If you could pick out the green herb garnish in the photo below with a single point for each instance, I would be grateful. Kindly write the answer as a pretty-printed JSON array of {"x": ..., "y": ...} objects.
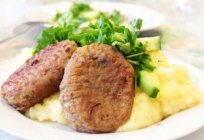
[{"x": 107, "y": 30}]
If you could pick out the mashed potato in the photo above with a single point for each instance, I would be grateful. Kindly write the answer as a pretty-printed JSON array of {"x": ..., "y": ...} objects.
[
  {"x": 176, "y": 91},
  {"x": 49, "y": 110},
  {"x": 176, "y": 94},
  {"x": 146, "y": 111}
]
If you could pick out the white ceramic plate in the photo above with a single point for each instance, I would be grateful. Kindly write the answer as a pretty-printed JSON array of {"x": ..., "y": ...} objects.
[
  {"x": 173, "y": 127},
  {"x": 151, "y": 18}
]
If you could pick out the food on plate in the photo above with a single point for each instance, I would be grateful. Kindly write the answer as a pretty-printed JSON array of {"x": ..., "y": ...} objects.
[
  {"x": 97, "y": 89},
  {"x": 147, "y": 111},
  {"x": 39, "y": 77},
  {"x": 114, "y": 80}
]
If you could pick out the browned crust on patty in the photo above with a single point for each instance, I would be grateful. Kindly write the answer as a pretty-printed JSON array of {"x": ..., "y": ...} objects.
[
  {"x": 39, "y": 77},
  {"x": 97, "y": 89}
]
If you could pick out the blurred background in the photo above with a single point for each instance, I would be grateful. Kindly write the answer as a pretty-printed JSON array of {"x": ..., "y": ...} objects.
[
  {"x": 182, "y": 32},
  {"x": 177, "y": 12}
]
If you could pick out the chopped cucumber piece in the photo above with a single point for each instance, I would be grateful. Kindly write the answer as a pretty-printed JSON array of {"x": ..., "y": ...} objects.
[
  {"x": 149, "y": 83},
  {"x": 151, "y": 43}
]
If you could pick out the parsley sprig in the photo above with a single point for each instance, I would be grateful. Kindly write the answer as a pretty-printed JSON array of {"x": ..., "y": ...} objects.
[{"x": 107, "y": 30}]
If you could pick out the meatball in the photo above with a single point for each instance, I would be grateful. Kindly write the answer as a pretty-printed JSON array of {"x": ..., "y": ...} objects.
[
  {"x": 39, "y": 77},
  {"x": 97, "y": 89}
]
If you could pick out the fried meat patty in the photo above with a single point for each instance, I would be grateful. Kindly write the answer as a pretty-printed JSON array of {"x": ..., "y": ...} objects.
[
  {"x": 39, "y": 77},
  {"x": 97, "y": 89}
]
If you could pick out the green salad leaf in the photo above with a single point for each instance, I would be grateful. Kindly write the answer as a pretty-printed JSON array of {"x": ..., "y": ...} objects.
[
  {"x": 106, "y": 29},
  {"x": 80, "y": 13},
  {"x": 76, "y": 9}
]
